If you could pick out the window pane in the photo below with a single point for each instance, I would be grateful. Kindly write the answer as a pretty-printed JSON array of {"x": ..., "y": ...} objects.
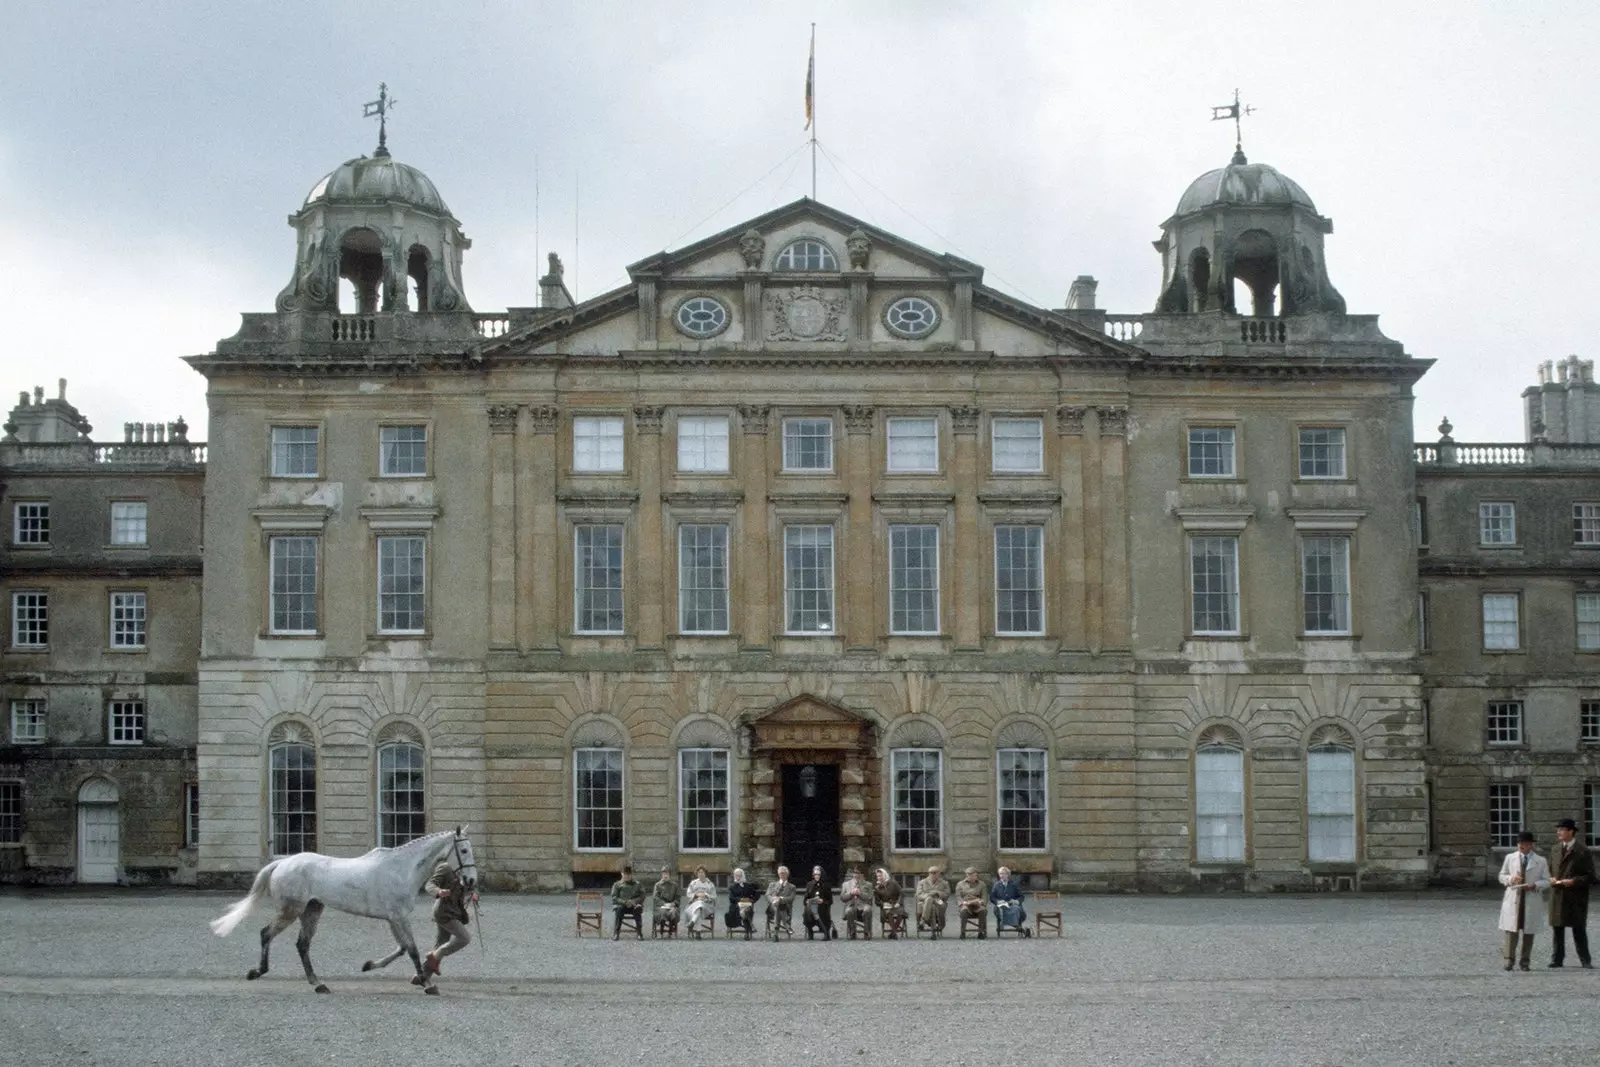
[
  {"x": 1503, "y": 724},
  {"x": 1505, "y": 814},
  {"x": 1588, "y": 612},
  {"x": 27, "y": 722},
  {"x": 10, "y": 812},
  {"x": 1500, "y": 621},
  {"x": 807, "y": 255},
  {"x": 403, "y": 450},
  {"x": 1322, "y": 453},
  {"x": 1331, "y": 804},
  {"x": 292, "y": 804},
  {"x": 808, "y": 579},
  {"x": 402, "y": 799},
  {"x": 1219, "y": 804},
  {"x": 32, "y": 524},
  {"x": 1586, "y": 524},
  {"x": 918, "y": 798},
  {"x": 1588, "y": 721},
  {"x": 294, "y": 451},
  {"x": 807, "y": 444},
  {"x": 1325, "y": 573},
  {"x": 1018, "y": 445},
  {"x": 1019, "y": 579},
  {"x": 402, "y": 584},
  {"x": 1497, "y": 524},
  {"x": 597, "y": 797},
  {"x": 294, "y": 585},
  {"x": 703, "y": 799},
  {"x": 597, "y": 444},
  {"x": 191, "y": 815},
  {"x": 703, "y": 579},
  {"x": 598, "y": 569},
  {"x": 1214, "y": 574},
  {"x": 126, "y": 722},
  {"x": 1211, "y": 452},
  {"x": 914, "y": 579},
  {"x": 703, "y": 443},
  {"x": 913, "y": 444},
  {"x": 30, "y": 620},
  {"x": 127, "y": 620},
  {"x": 1023, "y": 798},
  {"x": 129, "y": 522}
]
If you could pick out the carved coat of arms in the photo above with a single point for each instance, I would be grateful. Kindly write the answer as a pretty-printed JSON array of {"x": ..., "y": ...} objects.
[{"x": 805, "y": 313}]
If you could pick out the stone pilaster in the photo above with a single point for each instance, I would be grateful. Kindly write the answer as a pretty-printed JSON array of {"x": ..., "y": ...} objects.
[
  {"x": 857, "y": 575},
  {"x": 755, "y": 566},
  {"x": 503, "y": 526},
  {"x": 648, "y": 559},
  {"x": 968, "y": 554},
  {"x": 1115, "y": 599},
  {"x": 1070, "y": 598},
  {"x": 1093, "y": 541},
  {"x": 538, "y": 538}
]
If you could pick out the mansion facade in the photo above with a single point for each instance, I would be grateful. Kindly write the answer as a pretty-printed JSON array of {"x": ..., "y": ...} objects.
[{"x": 805, "y": 546}]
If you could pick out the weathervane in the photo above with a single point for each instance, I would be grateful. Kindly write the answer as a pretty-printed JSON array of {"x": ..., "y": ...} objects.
[
  {"x": 381, "y": 107},
  {"x": 1234, "y": 111}
]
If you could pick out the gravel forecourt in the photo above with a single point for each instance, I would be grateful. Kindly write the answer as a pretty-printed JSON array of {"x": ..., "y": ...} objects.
[{"x": 136, "y": 977}]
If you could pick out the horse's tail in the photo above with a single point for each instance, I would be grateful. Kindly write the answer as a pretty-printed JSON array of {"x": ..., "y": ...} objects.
[{"x": 223, "y": 925}]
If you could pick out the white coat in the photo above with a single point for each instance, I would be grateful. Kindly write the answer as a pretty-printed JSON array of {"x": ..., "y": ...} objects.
[{"x": 1539, "y": 876}]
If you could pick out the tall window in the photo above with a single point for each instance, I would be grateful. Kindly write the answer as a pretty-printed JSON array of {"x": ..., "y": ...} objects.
[
  {"x": 703, "y": 808},
  {"x": 808, "y": 579},
  {"x": 1211, "y": 452},
  {"x": 1214, "y": 585},
  {"x": 703, "y": 579},
  {"x": 31, "y": 523},
  {"x": 1325, "y": 578},
  {"x": 125, "y": 722},
  {"x": 807, "y": 254},
  {"x": 1497, "y": 524},
  {"x": 913, "y": 445},
  {"x": 294, "y": 584},
  {"x": 808, "y": 444},
  {"x": 128, "y": 620},
  {"x": 1219, "y": 804},
  {"x": 1322, "y": 452},
  {"x": 702, "y": 444},
  {"x": 1331, "y": 804},
  {"x": 27, "y": 722},
  {"x": 1504, "y": 722},
  {"x": 1586, "y": 524},
  {"x": 1019, "y": 580},
  {"x": 1587, "y": 607},
  {"x": 597, "y": 568},
  {"x": 1017, "y": 445},
  {"x": 1589, "y": 722},
  {"x": 402, "y": 585},
  {"x": 10, "y": 811},
  {"x": 294, "y": 451},
  {"x": 30, "y": 620},
  {"x": 130, "y": 522},
  {"x": 403, "y": 451},
  {"x": 1506, "y": 818},
  {"x": 1023, "y": 800},
  {"x": 1502, "y": 627},
  {"x": 292, "y": 800},
  {"x": 918, "y": 798},
  {"x": 597, "y": 444},
  {"x": 402, "y": 796},
  {"x": 914, "y": 579},
  {"x": 1424, "y": 636},
  {"x": 191, "y": 815},
  {"x": 597, "y": 798},
  {"x": 1591, "y": 815}
]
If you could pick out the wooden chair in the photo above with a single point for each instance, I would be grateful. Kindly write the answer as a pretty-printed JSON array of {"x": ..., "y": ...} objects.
[
  {"x": 591, "y": 913},
  {"x": 1021, "y": 931},
  {"x": 1047, "y": 912},
  {"x": 698, "y": 931},
  {"x": 978, "y": 923},
  {"x": 634, "y": 919},
  {"x": 663, "y": 924}
]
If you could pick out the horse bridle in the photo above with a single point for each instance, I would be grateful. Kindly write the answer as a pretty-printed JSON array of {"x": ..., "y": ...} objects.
[{"x": 455, "y": 857}]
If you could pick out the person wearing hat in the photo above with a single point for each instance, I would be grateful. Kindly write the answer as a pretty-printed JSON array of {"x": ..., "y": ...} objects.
[
  {"x": 1523, "y": 871},
  {"x": 1572, "y": 873},
  {"x": 933, "y": 894},
  {"x": 970, "y": 896},
  {"x": 664, "y": 917},
  {"x": 627, "y": 899}
]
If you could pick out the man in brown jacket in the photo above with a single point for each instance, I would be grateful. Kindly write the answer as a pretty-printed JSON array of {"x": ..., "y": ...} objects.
[
  {"x": 1571, "y": 873},
  {"x": 450, "y": 915}
]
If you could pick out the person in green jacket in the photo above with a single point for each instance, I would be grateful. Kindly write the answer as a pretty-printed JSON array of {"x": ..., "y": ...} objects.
[{"x": 627, "y": 898}]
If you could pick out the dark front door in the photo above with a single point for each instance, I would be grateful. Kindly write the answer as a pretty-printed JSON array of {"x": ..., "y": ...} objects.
[{"x": 810, "y": 821}]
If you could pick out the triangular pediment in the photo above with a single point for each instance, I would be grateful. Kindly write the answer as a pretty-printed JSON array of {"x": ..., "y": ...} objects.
[
  {"x": 806, "y": 709},
  {"x": 808, "y": 722}
]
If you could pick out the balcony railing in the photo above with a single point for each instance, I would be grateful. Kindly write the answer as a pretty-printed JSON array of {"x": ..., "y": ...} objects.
[
  {"x": 355, "y": 327},
  {"x": 1498, "y": 454},
  {"x": 492, "y": 325},
  {"x": 90, "y": 455},
  {"x": 1124, "y": 327}
]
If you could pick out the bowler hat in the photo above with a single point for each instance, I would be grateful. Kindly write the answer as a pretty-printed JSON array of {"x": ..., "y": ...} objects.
[
  {"x": 1526, "y": 835},
  {"x": 1567, "y": 824}
]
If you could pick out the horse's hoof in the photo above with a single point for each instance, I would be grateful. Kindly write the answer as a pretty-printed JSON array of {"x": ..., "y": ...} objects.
[
  {"x": 323, "y": 989},
  {"x": 369, "y": 966},
  {"x": 251, "y": 975},
  {"x": 431, "y": 990},
  {"x": 416, "y": 979}
]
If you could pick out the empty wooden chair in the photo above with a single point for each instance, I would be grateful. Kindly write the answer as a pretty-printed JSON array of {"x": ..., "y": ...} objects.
[
  {"x": 1047, "y": 912},
  {"x": 591, "y": 913}
]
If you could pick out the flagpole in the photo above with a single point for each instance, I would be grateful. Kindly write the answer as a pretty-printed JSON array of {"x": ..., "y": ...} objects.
[{"x": 811, "y": 102}]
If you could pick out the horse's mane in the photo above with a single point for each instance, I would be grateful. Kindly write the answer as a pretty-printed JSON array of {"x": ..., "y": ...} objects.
[{"x": 414, "y": 842}]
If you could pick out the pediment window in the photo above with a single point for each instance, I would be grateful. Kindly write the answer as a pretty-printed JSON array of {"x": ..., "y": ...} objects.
[
  {"x": 701, "y": 317},
  {"x": 807, "y": 254},
  {"x": 911, "y": 316}
]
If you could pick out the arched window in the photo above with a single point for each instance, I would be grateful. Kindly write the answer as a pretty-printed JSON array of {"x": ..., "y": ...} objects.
[
  {"x": 1255, "y": 264},
  {"x": 1219, "y": 799},
  {"x": 417, "y": 271},
  {"x": 402, "y": 797},
  {"x": 361, "y": 264},
  {"x": 705, "y": 787},
  {"x": 292, "y": 800},
  {"x": 1331, "y": 799},
  {"x": 807, "y": 254},
  {"x": 916, "y": 801}
]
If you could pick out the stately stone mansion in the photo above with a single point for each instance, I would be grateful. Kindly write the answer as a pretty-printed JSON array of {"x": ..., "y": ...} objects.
[{"x": 804, "y": 546}]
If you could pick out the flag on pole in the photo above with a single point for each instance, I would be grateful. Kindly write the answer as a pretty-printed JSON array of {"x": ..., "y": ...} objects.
[{"x": 811, "y": 72}]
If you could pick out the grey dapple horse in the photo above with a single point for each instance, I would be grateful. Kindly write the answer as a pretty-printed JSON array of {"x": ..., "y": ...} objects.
[{"x": 383, "y": 884}]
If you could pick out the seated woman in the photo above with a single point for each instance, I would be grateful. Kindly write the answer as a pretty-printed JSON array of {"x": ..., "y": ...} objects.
[
  {"x": 891, "y": 913},
  {"x": 1006, "y": 896},
  {"x": 742, "y": 897},
  {"x": 856, "y": 897},
  {"x": 819, "y": 908},
  {"x": 702, "y": 902}
]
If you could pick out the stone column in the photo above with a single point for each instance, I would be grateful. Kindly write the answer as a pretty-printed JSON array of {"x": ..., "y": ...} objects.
[
  {"x": 1070, "y": 598},
  {"x": 503, "y": 582},
  {"x": 857, "y": 575},
  {"x": 969, "y": 553},
  {"x": 755, "y": 577},
  {"x": 647, "y": 553},
  {"x": 537, "y": 535},
  {"x": 1115, "y": 602},
  {"x": 853, "y": 809}
]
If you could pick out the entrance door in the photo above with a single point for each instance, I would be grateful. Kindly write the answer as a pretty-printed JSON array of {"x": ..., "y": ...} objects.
[
  {"x": 99, "y": 822},
  {"x": 810, "y": 821}
]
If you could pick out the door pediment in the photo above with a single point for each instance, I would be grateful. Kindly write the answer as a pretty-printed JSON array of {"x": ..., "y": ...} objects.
[{"x": 810, "y": 722}]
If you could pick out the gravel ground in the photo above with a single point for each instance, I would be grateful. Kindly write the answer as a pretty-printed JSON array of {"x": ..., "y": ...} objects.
[{"x": 135, "y": 977}]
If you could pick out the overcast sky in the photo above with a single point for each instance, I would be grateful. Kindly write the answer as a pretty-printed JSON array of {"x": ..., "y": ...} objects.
[{"x": 150, "y": 152}]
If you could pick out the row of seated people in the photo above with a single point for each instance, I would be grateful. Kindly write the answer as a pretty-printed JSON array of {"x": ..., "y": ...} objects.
[{"x": 855, "y": 894}]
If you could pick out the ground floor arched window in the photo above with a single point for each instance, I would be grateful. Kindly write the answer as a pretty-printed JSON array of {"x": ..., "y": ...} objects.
[{"x": 292, "y": 800}]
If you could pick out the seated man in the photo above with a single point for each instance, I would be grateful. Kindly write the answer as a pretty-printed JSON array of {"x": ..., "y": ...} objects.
[
  {"x": 891, "y": 913},
  {"x": 742, "y": 897},
  {"x": 627, "y": 898},
  {"x": 665, "y": 898},
  {"x": 702, "y": 901},
  {"x": 819, "y": 907},
  {"x": 1006, "y": 896},
  {"x": 969, "y": 902},
  {"x": 780, "y": 905},
  {"x": 932, "y": 894},
  {"x": 856, "y": 897}
]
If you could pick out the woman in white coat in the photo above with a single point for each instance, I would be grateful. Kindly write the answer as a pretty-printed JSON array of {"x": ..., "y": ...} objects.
[
  {"x": 1523, "y": 872},
  {"x": 702, "y": 902}
]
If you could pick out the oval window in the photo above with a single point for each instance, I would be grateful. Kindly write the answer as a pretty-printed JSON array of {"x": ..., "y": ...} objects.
[
  {"x": 911, "y": 316},
  {"x": 701, "y": 316}
]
